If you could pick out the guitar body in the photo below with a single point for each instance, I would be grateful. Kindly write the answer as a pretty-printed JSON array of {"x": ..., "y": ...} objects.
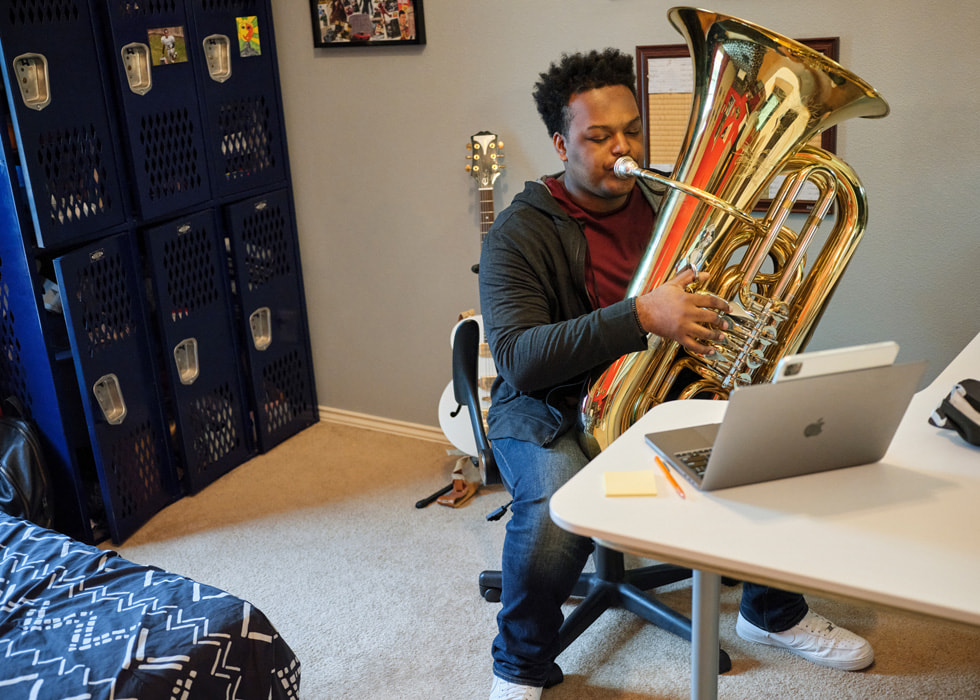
[{"x": 455, "y": 422}]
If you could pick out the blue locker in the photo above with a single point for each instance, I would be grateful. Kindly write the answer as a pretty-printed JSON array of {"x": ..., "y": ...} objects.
[
  {"x": 145, "y": 170},
  {"x": 234, "y": 59},
  {"x": 56, "y": 89},
  {"x": 269, "y": 285},
  {"x": 117, "y": 379},
  {"x": 33, "y": 369},
  {"x": 154, "y": 76},
  {"x": 192, "y": 305}
]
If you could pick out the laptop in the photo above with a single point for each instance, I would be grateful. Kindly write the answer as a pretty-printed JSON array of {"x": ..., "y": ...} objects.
[{"x": 790, "y": 428}]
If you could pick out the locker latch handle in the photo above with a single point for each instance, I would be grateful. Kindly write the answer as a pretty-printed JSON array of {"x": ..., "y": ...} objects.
[
  {"x": 137, "y": 59},
  {"x": 185, "y": 357},
  {"x": 109, "y": 395},
  {"x": 260, "y": 323},
  {"x": 217, "y": 55},
  {"x": 31, "y": 70}
]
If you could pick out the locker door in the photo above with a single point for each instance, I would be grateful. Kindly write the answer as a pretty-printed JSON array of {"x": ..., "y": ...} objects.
[
  {"x": 29, "y": 371},
  {"x": 189, "y": 270},
  {"x": 234, "y": 59},
  {"x": 269, "y": 285},
  {"x": 117, "y": 378},
  {"x": 54, "y": 79},
  {"x": 155, "y": 84}
]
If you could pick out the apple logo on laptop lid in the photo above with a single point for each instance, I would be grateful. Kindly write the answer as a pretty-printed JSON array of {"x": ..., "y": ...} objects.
[{"x": 814, "y": 428}]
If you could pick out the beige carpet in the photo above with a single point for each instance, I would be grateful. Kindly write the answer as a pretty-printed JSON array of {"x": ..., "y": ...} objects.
[{"x": 379, "y": 599}]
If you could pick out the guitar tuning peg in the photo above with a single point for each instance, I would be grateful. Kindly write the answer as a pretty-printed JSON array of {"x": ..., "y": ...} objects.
[
  {"x": 500, "y": 144},
  {"x": 468, "y": 167},
  {"x": 469, "y": 147}
]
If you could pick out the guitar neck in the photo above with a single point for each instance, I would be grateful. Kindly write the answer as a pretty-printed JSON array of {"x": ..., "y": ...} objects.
[
  {"x": 486, "y": 162},
  {"x": 486, "y": 211}
]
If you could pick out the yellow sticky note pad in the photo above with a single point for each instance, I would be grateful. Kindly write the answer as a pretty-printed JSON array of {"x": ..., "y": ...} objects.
[{"x": 635, "y": 483}]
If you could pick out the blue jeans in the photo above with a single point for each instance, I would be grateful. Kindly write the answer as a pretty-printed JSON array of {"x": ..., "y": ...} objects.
[{"x": 541, "y": 563}]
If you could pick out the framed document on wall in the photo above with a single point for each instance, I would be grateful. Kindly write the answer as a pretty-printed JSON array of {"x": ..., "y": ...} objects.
[{"x": 665, "y": 77}]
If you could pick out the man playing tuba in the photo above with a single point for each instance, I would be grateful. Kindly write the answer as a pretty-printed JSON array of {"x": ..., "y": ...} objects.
[{"x": 553, "y": 274}]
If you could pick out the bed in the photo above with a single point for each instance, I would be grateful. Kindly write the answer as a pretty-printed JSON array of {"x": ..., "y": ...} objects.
[{"x": 80, "y": 622}]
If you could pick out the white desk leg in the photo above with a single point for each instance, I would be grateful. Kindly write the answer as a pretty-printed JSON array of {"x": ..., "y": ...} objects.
[{"x": 704, "y": 635}]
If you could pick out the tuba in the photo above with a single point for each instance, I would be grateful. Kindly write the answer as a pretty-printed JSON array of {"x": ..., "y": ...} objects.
[{"x": 759, "y": 99}]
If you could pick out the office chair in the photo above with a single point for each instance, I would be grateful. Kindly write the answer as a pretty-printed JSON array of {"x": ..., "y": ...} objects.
[
  {"x": 611, "y": 584},
  {"x": 466, "y": 348}
]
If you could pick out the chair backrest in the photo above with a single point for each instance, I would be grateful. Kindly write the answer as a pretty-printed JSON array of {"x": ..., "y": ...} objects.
[{"x": 466, "y": 348}]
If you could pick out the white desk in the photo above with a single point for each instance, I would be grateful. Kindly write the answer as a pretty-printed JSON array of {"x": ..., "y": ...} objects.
[{"x": 903, "y": 532}]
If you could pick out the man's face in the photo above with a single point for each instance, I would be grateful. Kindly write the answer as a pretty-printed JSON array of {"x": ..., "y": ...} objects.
[{"x": 604, "y": 125}]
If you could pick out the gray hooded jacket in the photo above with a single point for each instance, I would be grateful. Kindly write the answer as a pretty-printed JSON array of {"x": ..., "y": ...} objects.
[{"x": 547, "y": 341}]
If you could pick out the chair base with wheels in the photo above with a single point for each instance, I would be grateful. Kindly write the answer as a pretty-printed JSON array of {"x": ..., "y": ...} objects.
[{"x": 611, "y": 585}]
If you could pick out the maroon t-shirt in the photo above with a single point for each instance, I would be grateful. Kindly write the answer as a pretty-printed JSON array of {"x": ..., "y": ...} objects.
[{"x": 617, "y": 241}]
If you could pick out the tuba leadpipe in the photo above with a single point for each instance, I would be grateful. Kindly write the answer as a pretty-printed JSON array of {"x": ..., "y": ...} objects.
[{"x": 759, "y": 99}]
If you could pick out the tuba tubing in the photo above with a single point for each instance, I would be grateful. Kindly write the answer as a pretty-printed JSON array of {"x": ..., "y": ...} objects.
[{"x": 758, "y": 99}]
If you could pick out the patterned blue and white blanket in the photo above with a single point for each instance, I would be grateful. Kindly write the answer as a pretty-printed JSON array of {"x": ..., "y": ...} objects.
[{"x": 80, "y": 622}]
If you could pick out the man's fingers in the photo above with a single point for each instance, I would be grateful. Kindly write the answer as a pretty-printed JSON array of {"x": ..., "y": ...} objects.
[
  {"x": 697, "y": 347},
  {"x": 715, "y": 317},
  {"x": 711, "y": 301}
]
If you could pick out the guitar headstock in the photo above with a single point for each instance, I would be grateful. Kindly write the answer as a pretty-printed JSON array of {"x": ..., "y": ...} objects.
[{"x": 486, "y": 158}]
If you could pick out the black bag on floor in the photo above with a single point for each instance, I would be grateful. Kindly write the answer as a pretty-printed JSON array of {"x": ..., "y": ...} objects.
[{"x": 24, "y": 484}]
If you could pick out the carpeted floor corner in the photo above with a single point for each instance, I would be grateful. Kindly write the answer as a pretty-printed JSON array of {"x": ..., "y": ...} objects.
[{"x": 379, "y": 599}]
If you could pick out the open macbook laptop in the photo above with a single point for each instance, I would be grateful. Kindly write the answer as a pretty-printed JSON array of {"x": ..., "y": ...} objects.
[{"x": 790, "y": 428}]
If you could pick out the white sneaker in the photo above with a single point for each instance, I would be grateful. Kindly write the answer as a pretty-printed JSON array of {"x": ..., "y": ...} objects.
[
  {"x": 505, "y": 690},
  {"x": 816, "y": 639}
]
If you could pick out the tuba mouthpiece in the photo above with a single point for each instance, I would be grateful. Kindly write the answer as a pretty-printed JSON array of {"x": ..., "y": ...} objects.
[{"x": 625, "y": 167}]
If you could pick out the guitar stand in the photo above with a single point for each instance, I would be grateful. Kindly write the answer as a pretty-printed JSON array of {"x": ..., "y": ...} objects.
[{"x": 430, "y": 499}]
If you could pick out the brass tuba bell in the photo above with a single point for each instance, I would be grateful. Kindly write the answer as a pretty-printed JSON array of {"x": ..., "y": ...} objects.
[{"x": 759, "y": 99}]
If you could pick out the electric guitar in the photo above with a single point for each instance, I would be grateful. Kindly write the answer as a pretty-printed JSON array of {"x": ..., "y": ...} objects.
[{"x": 485, "y": 165}]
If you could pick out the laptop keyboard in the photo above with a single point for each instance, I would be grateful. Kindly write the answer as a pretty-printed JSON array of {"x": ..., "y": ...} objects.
[{"x": 697, "y": 460}]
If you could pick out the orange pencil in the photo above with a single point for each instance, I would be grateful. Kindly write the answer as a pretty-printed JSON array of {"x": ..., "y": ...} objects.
[{"x": 677, "y": 487}]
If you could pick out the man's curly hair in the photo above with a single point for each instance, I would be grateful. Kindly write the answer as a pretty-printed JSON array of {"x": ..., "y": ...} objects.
[{"x": 577, "y": 73}]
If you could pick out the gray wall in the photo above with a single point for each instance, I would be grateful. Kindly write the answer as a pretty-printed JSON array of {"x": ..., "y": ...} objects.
[{"x": 388, "y": 218}]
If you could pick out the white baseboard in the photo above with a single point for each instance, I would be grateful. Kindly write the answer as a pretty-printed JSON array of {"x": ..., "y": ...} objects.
[{"x": 384, "y": 425}]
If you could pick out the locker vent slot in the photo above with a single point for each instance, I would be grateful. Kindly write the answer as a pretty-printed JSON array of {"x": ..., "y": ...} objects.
[
  {"x": 131, "y": 8},
  {"x": 74, "y": 174},
  {"x": 284, "y": 393},
  {"x": 192, "y": 280},
  {"x": 213, "y": 426},
  {"x": 246, "y": 142},
  {"x": 135, "y": 469},
  {"x": 225, "y": 5},
  {"x": 169, "y": 155},
  {"x": 13, "y": 381},
  {"x": 28, "y": 12},
  {"x": 107, "y": 304},
  {"x": 266, "y": 251}
]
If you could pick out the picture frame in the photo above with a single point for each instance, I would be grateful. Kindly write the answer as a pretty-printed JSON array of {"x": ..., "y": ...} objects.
[
  {"x": 367, "y": 23},
  {"x": 671, "y": 65}
]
